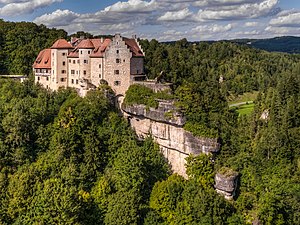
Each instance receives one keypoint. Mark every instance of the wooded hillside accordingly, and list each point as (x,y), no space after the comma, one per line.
(71,160)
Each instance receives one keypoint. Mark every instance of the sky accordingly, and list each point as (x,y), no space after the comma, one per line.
(164,20)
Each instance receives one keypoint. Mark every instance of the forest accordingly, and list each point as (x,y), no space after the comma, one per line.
(71,160)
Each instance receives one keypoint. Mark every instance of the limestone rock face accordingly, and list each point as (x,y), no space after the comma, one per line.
(175,143)
(225,184)
(166,112)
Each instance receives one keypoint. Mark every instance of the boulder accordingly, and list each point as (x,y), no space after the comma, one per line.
(226,182)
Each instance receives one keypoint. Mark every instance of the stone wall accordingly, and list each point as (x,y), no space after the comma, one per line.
(117,65)
(175,143)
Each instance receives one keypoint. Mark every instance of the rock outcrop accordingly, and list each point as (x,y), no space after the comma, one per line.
(165,125)
(226,182)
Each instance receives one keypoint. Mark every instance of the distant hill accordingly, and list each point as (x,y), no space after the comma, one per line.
(288,44)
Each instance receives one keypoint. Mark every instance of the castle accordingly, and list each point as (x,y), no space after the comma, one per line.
(84,63)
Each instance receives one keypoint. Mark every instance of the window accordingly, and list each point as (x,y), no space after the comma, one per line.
(63,54)
(117,83)
(76,81)
(100,66)
(62,79)
(74,61)
(118,60)
(72,71)
(47,87)
(63,63)
(84,72)
(70,60)
(89,52)
(117,51)
(39,78)
(99,75)
(47,78)
(76,71)
(80,52)
(137,72)
(123,60)
(85,61)
(72,81)
(78,61)
(117,72)
(63,71)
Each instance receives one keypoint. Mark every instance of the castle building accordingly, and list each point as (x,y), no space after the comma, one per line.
(84,63)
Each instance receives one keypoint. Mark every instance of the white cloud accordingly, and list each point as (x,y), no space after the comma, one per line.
(238,11)
(132,6)
(206,3)
(282,31)
(176,16)
(176,19)
(251,24)
(212,29)
(57,18)
(20,7)
(287,19)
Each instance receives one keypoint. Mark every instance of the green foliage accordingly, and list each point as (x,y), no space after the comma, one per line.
(176,201)
(123,209)
(140,94)
(70,160)
(200,168)
(200,130)
(21,42)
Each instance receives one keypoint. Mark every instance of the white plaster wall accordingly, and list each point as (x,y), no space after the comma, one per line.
(73,65)
(97,71)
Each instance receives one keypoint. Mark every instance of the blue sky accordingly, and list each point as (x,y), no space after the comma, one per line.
(163,19)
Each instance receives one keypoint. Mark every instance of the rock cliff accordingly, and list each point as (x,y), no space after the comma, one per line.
(165,125)
(226,183)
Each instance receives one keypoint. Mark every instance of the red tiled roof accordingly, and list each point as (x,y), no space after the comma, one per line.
(134,47)
(43,61)
(74,54)
(100,49)
(96,42)
(85,44)
(62,44)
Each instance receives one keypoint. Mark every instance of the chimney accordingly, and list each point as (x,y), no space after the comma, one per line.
(73,39)
(101,39)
